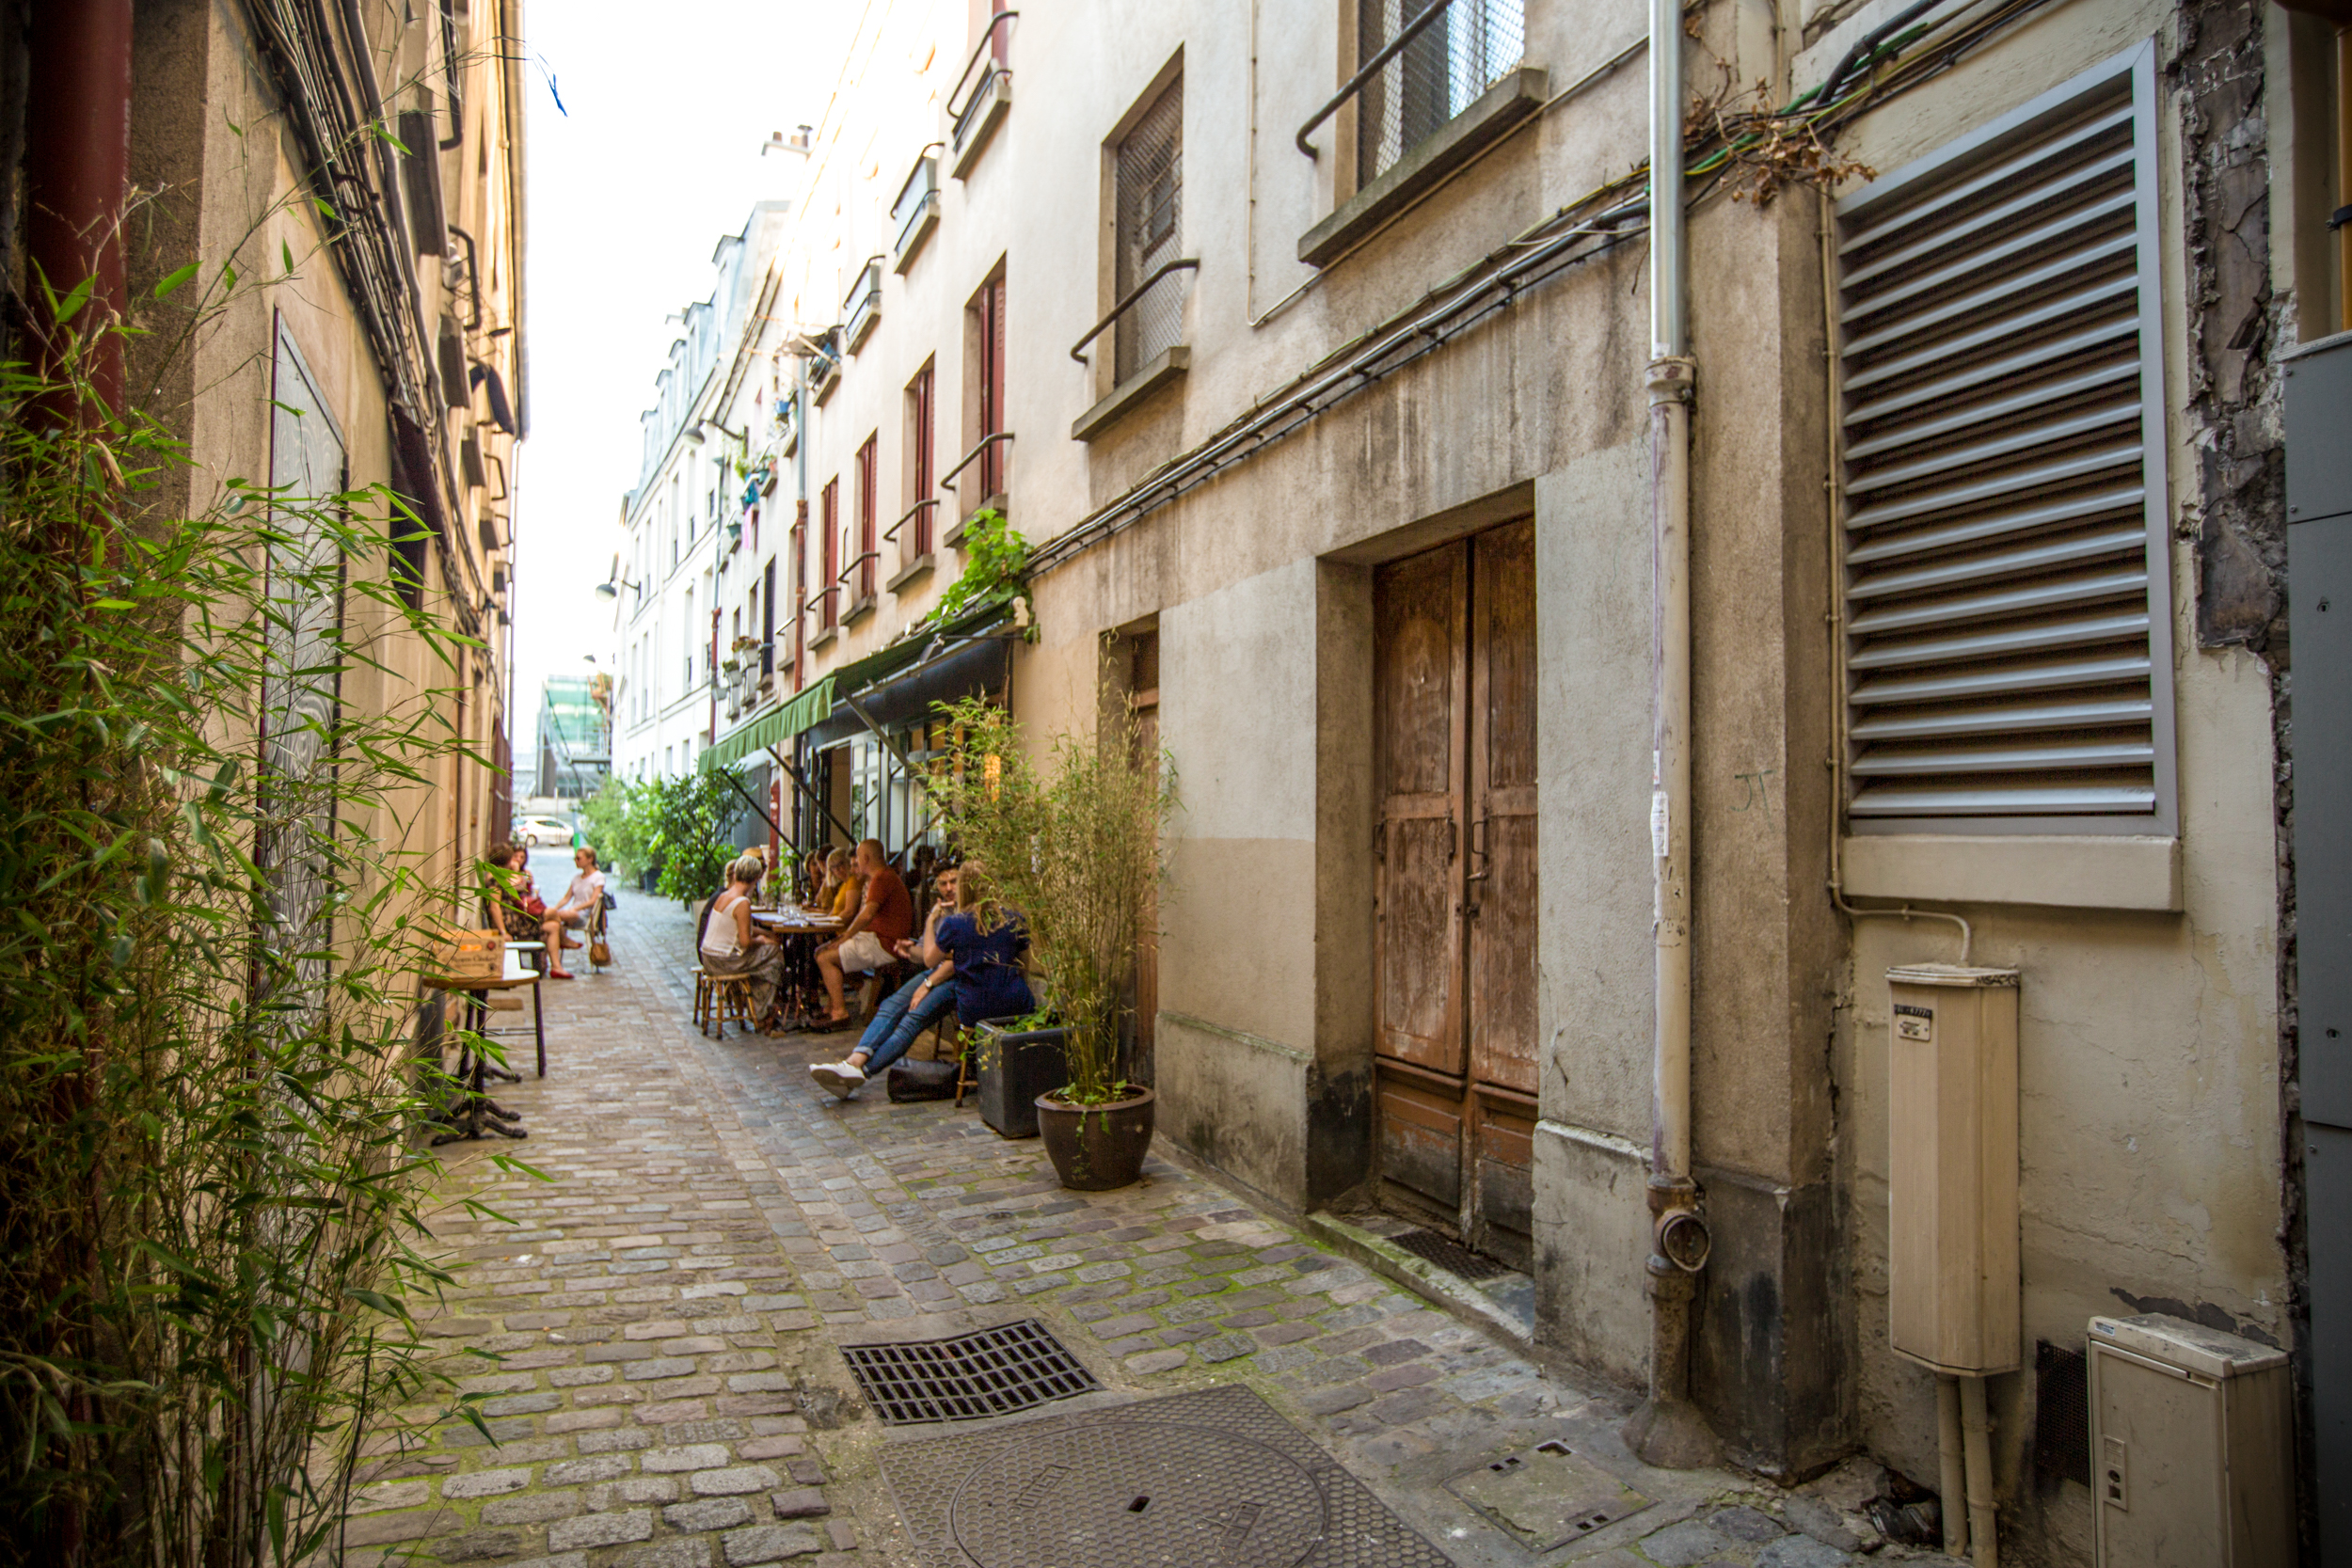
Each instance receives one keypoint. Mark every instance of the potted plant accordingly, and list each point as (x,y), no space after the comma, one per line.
(1070,843)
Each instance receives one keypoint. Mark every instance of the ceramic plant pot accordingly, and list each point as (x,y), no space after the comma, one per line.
(1096,1147)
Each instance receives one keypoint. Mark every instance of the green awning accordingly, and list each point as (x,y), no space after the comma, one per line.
(772,727)
(815,704)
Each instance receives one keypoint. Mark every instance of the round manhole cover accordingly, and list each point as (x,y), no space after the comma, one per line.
(1134,1495)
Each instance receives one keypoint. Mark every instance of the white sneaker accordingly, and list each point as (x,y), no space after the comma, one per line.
(839,1077)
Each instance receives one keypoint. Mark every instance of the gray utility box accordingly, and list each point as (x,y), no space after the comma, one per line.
(2192,1447)
(2316,381)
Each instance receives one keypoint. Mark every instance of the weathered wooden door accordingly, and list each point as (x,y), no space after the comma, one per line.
(1456,1050)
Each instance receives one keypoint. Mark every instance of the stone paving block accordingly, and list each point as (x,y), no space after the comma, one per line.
(693,1456)
(1801,1551)
(481,1546)
(733,1480)
(798,1502)
(531,1508)
(762,1543)
(485,1484)
(707,1513)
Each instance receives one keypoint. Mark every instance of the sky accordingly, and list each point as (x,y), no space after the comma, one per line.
(653,155)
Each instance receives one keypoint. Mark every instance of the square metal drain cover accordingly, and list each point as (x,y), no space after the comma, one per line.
(1209,1478)
(1547,1496)
(1448,1254)
(993,1372)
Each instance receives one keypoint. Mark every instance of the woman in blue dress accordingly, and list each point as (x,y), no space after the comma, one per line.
(971,949)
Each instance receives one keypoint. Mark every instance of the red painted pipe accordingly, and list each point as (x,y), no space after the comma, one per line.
(77,169)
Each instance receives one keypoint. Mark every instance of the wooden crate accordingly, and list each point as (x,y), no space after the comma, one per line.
(473,955)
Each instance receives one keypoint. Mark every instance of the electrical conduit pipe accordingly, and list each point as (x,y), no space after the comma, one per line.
(1667,1430)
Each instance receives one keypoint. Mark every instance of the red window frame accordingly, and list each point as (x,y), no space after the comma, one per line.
(991,304)
(925,466)
(829,518)
(868,483)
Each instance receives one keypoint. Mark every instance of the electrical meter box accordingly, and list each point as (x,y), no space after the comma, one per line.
(1952,1177)
(2192,1447)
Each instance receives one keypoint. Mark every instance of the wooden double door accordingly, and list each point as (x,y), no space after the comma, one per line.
(1456,1051)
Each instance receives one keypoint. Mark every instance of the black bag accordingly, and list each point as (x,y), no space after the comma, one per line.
(610,902)
(922,1081)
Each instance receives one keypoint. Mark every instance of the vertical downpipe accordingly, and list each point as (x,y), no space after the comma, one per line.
(77,169)
(1667,1430)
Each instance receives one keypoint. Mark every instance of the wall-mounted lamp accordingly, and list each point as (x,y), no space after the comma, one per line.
(694,432)
(611,588)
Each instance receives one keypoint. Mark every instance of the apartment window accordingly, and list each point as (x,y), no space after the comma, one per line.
(1151,185)
(922,464)
(687,631)
(867,457)
(765,618)
(1449,62)
(984,321)
(829,567)
(2007,655)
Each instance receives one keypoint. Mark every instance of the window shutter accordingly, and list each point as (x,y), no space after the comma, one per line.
(2007,648)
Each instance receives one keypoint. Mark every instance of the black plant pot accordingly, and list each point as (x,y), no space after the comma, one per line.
(1017,1066)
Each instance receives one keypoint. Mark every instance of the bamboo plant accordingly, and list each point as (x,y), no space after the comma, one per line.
(1070,844)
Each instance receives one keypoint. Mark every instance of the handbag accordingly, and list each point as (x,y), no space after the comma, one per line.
(535,908)
(911,1080)
(598,954)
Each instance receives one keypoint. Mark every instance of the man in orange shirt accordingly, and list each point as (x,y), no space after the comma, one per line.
(884,918)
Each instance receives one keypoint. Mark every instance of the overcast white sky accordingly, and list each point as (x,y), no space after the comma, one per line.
(653,156)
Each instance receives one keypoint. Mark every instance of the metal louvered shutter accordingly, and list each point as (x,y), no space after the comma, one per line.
(2007,599)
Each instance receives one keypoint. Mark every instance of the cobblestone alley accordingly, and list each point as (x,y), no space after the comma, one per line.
(669,1306)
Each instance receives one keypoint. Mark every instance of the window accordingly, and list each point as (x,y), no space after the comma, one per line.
(1443,71)
(922,476)
(2006,587)
(687,633)
(764,616)
(867,552)
(829,523)
(984,321)
(1150,183)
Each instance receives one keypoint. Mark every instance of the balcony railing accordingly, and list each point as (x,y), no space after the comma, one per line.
(1429,61)
(861,309)
(915,213)
(989,95)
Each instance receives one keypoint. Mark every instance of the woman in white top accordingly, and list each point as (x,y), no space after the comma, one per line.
(732,945)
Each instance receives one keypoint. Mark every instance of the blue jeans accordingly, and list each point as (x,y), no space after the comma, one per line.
(899,1020)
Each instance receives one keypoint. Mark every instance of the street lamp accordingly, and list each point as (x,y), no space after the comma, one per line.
(611,588)
(694,432)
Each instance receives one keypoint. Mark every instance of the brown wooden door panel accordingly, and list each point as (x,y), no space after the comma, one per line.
(1504,1140)
(1502,1028)
(1420,670)
(1417,1022)
(1420,1142)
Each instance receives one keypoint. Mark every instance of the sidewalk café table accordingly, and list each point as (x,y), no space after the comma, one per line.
(801,934)
(475,1112)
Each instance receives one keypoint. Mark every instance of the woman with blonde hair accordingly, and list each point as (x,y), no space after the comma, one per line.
(733,946)
(844,888)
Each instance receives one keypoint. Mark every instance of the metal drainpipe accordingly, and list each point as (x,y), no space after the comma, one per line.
(77,166)
(1667,1430)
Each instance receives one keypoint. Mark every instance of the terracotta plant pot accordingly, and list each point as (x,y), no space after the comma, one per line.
(1096,1147)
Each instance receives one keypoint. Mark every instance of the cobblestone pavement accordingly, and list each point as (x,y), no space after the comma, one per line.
(667,1308)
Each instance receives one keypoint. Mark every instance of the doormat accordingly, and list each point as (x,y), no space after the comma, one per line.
(1448,1254)
(1211,1477)
(995,1371)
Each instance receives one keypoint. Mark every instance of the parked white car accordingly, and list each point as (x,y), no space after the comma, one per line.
(534,830)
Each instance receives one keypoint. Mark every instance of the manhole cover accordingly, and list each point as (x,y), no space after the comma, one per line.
(1448,1254)
(1222,1480)
(1547,1496)
(1134,1493)
(993,1372)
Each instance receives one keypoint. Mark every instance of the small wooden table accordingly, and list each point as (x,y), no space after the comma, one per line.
(476,1112)
(801,934)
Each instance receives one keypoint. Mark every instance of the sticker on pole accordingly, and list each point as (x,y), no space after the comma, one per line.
(1657,824)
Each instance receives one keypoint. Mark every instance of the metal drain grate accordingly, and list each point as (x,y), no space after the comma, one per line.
(993,1372)
(1212,1478)
(1449,1254)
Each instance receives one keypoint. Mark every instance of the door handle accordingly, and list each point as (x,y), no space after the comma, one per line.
(1479,849)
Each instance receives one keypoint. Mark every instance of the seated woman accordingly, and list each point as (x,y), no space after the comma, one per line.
(844,888)
(974,951)
(506,889)
(732,946)
(904,1014)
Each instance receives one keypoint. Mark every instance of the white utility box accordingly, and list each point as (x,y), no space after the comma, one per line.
(1952,1177)
(2192,1447)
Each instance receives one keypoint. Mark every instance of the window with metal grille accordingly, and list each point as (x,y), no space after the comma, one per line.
(1150,213)
(2007,649)
(1436,75)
